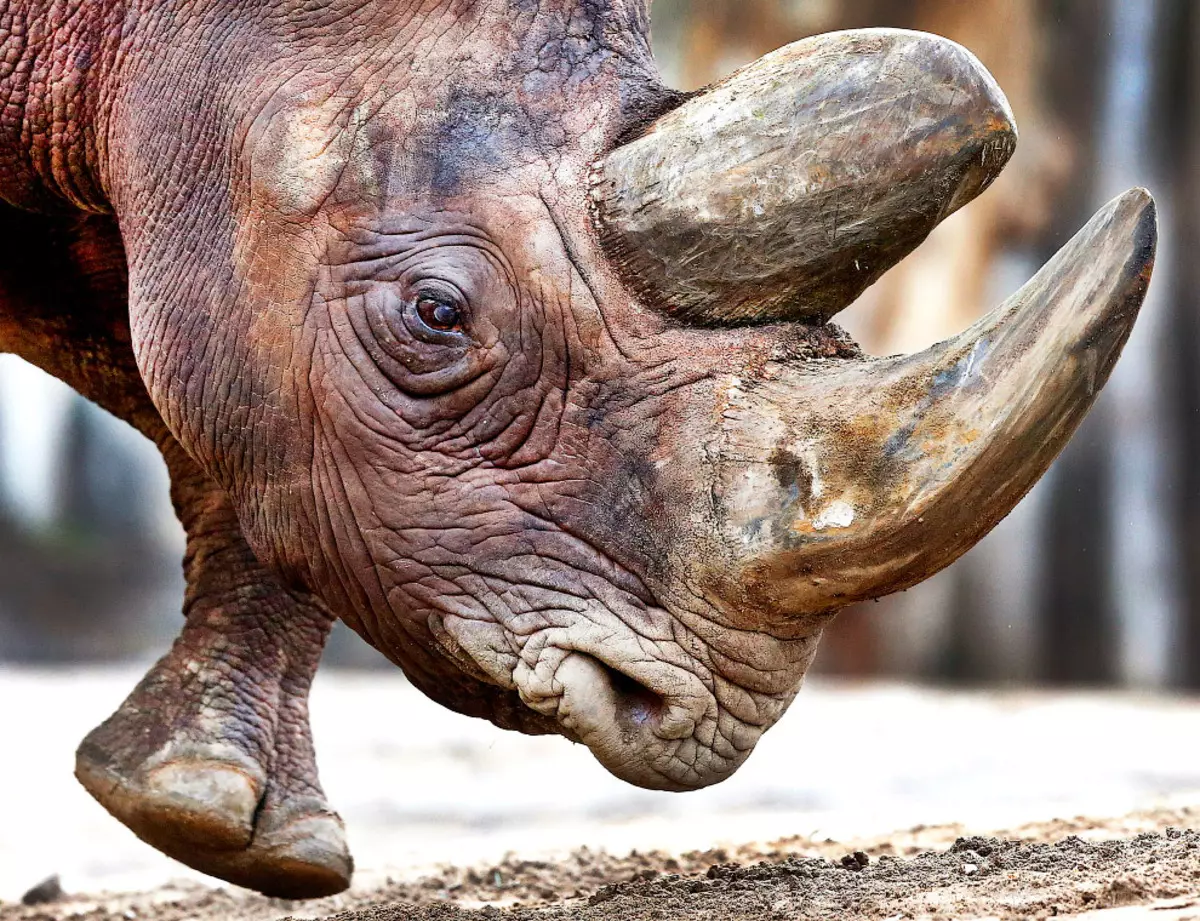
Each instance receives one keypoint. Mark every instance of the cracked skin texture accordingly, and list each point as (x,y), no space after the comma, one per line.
(338,261)
(232,290)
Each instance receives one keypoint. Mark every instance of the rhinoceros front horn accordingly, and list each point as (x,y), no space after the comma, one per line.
(840,481)
(786,190)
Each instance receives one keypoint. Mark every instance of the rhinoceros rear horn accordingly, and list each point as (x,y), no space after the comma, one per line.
(786,190)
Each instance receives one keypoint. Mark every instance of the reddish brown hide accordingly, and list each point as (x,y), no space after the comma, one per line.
(453,322)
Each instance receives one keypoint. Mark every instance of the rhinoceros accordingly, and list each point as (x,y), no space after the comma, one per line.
(452,321)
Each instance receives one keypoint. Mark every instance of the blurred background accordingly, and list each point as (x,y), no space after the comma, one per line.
(1095,579)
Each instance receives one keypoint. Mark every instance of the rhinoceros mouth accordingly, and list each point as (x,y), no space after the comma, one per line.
(652,716)
(656,740)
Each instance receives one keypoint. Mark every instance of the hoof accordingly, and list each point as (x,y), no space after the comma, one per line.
(179,798)
(202,808)
(305,857)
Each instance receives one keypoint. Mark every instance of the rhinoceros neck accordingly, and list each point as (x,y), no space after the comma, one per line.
(51,98)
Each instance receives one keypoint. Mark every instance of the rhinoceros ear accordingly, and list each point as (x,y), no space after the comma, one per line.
(786,190)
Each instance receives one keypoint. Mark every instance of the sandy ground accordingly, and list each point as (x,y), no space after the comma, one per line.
(435,802)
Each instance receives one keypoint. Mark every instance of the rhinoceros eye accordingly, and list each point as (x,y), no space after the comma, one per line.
(440,312)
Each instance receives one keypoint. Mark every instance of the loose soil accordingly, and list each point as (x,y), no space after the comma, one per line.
(1040,871)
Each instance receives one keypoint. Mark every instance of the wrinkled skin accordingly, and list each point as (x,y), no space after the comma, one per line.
(462,500)
(398,380)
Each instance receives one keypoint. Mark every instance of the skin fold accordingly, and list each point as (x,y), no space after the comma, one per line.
(364,274)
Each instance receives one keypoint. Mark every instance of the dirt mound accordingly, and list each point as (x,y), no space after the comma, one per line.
(1032,873)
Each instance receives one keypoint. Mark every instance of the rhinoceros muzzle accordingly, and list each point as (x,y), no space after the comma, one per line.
(777,197)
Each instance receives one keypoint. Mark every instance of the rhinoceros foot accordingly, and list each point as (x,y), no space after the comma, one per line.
(243,805)
(211,759)
(294,846)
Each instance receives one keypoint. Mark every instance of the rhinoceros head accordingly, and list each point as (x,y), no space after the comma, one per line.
(520,360)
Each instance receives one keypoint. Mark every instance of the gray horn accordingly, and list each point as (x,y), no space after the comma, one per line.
(784,191)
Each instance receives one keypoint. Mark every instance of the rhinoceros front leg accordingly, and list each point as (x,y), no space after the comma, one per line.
(210,759)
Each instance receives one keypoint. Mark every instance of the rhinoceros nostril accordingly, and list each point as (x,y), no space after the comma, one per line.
(636,703)
(620,716)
